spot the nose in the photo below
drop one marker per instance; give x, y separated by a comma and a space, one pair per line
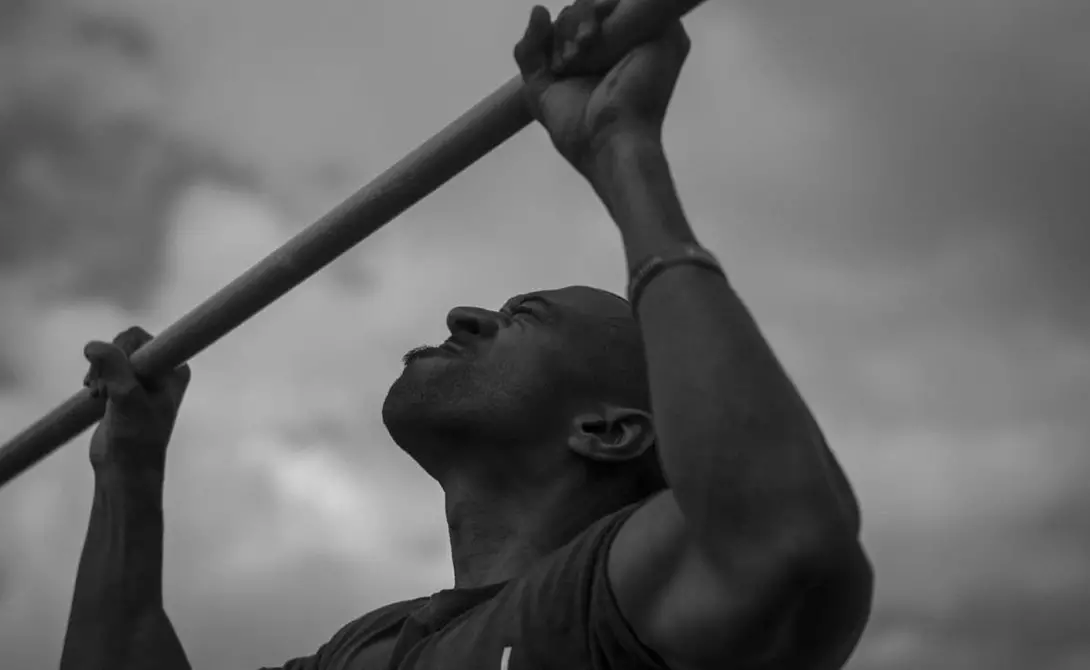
473, 321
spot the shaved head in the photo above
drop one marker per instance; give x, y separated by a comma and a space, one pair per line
608, 349
509, 383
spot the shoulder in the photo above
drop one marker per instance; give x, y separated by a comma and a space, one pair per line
355, 636
564, 609
374, 623
747, 605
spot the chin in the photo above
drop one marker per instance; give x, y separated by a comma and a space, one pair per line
416, 400
429, 429
406, 395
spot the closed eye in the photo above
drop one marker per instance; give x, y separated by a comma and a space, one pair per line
526, 307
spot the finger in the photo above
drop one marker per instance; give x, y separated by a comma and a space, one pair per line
132, 339
110, 370
603, 8
673, 40
662, 58
175, 383
183, 374
91, 380
569, 23
676, 41
678, 38
531, 53
587, 31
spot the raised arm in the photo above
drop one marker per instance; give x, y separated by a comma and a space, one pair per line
117, 621
753, 555
752, 558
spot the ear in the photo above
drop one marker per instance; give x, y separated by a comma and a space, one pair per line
612, 434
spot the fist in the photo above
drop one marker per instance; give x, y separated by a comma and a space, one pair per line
582, 111
140, 413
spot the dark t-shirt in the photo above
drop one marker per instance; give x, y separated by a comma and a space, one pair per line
561, 615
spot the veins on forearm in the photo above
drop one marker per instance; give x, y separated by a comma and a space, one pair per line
633, 180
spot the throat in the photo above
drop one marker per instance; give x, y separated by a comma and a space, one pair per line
496, 538
479, 563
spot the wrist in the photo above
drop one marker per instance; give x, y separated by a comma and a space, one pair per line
615, 150
632, 178
129, 478
129, 453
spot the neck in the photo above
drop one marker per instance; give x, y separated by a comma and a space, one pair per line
498, 532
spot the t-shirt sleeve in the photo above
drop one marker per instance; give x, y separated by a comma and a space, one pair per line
351, 638
321, 659
608, 630
300, 663
568, 609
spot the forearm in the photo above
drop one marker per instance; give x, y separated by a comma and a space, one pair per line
117, 619
737, 443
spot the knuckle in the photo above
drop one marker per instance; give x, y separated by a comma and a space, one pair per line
180, 382
564, 19
132, 339
94, 349
127, 392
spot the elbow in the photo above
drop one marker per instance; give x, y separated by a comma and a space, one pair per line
823, 546
812, 537
817, 511
822, 531
806, 545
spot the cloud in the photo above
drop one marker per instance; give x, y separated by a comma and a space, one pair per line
89, 173
952, 127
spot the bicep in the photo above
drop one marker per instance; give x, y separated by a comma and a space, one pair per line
696, 614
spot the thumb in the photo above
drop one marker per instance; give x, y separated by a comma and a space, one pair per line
111, 370
175, 384
534, 50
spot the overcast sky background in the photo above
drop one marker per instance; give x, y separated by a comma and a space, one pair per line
898, 189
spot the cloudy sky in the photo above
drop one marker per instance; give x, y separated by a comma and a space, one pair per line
897, 189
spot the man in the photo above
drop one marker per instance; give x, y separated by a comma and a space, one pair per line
629, 485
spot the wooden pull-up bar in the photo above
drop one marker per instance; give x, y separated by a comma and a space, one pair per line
484, 127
